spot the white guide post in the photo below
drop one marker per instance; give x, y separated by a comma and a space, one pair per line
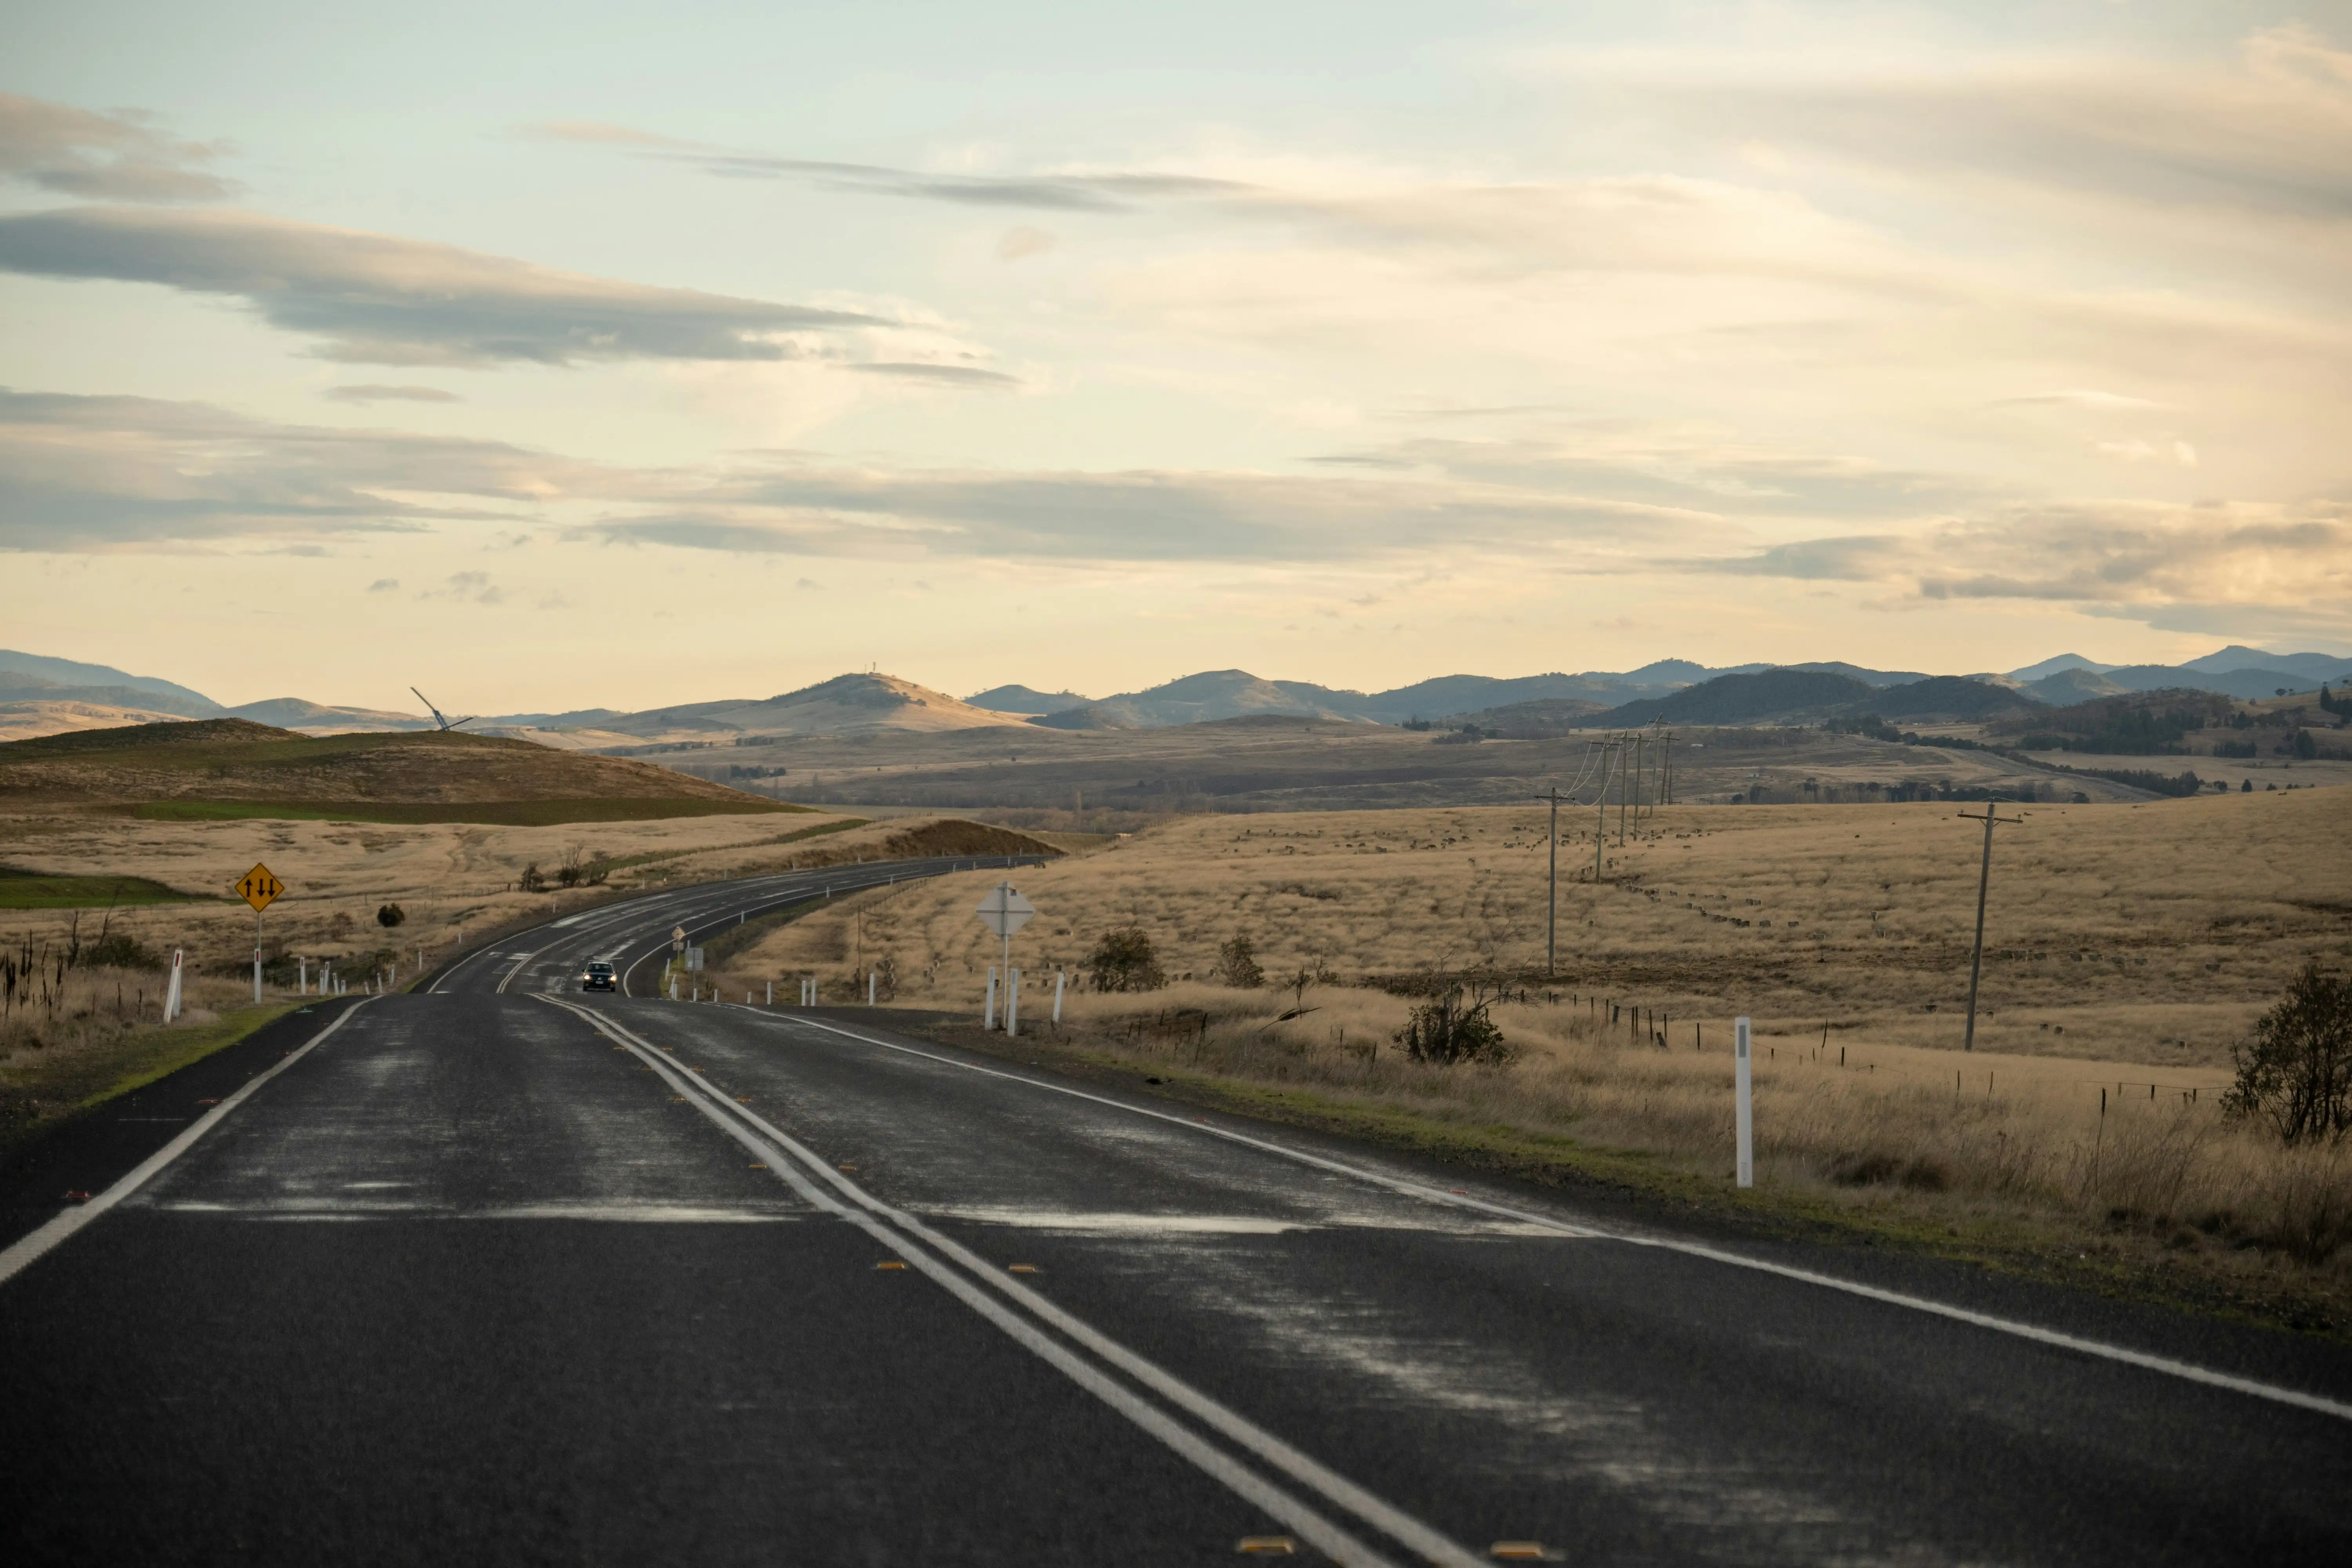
1012, 1001
771, 992
1745, 1116
871, 976
812, 990
172, 996
1057, 995
988, 1012
256, 977
301, 978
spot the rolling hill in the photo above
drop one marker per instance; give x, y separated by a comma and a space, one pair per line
235, 768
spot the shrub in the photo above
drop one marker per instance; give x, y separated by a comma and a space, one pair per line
1451, 1028
390, 915
120, 949
2296, 1073
533, 879
1124, 961
1237, 962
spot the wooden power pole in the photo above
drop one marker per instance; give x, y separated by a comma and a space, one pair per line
1551, 918
1984, 881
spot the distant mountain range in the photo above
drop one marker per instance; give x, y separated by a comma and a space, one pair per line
1236, 693
37, 691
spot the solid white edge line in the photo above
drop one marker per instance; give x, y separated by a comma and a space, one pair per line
2187, 1370
1330, 1539
33, 1246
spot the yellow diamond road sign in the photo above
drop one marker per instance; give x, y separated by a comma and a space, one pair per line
259, 887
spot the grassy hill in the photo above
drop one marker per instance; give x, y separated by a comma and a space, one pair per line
234, 768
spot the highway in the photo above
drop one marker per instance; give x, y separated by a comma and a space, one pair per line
500, 1272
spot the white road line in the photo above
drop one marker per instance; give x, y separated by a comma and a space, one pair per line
17, 1258
899, 1230
2187, 1370
522, 962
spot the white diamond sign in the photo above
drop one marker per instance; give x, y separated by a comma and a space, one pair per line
1004, 911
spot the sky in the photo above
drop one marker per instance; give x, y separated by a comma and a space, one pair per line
559, 356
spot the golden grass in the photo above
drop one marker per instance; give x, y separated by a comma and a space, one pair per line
2127, 948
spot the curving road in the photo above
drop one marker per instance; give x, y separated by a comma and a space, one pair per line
503, 1273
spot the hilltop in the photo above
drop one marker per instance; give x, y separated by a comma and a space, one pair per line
233, 767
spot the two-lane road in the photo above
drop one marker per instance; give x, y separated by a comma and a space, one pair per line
505, 1273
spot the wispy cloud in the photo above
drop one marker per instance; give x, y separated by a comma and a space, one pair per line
2122, 556
1104, 192
377, 297
377, 392
94, 474
117, 157
942, 375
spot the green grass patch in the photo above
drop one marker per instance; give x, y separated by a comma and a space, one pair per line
493, 813
39, 1090
22, 890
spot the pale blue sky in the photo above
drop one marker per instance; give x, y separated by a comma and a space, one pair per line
569, 354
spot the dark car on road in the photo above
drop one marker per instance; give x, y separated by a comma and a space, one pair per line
599, 977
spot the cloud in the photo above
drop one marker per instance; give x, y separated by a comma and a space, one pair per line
2134, 557
116, 157
376, 297
383, 585
81, 473
2267, 132
1100, 192
468, 587
1023, 241
1138, 515
943, 374
376, 392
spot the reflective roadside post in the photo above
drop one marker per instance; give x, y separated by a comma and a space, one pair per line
1746, 1114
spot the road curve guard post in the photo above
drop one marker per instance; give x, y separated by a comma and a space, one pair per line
988, 1009
1745, 1116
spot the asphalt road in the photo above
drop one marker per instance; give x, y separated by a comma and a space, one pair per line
505, 1273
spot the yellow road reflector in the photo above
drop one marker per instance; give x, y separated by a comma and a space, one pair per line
847, 1167
1023, 1268
742, 1099
890, 1266
1523, 1551
677, 1100
759, 1167
1268, 1546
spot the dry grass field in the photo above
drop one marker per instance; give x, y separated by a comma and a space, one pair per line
1126, 778
2128, 947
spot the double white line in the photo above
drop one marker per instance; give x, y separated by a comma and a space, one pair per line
1146, 1393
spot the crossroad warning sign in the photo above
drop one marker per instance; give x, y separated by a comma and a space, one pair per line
259, 887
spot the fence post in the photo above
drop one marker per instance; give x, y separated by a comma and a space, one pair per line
1746, 1114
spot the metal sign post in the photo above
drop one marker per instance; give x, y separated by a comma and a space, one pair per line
259, 887
1003, 911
